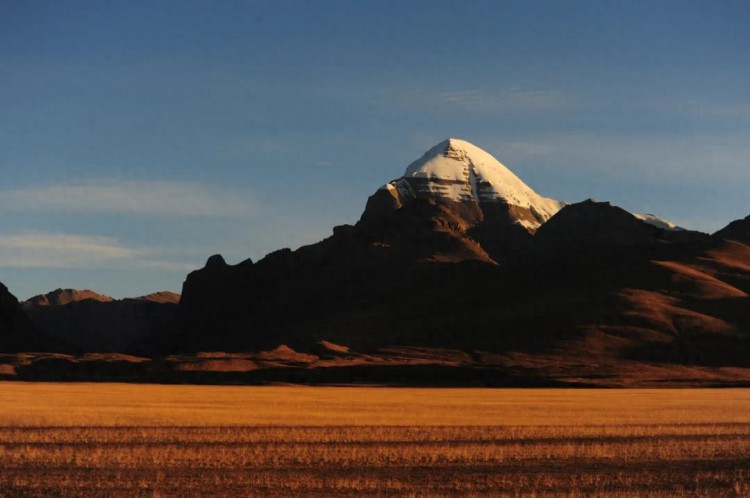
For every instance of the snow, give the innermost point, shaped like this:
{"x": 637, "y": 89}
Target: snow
{"x": 529, "y": 225}
{"x": 458, "y": 170}
{"x": 654, "y": 220}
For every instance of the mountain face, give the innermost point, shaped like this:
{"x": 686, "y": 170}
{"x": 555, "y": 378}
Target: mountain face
{"x": 471, "y": 193}
{"x": 457, "y": 172}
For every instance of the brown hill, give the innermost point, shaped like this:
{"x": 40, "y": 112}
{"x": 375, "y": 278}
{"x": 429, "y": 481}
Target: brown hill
{"x": 61, "y": 297}
{"x": 163, "y": 297}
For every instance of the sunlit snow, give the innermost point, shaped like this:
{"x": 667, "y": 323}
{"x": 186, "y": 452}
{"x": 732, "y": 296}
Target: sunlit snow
{"x": 458, "y": 170}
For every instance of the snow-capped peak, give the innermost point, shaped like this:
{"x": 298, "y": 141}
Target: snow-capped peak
{"x": 459, "y": 171}
{"x": 658, "y": 222}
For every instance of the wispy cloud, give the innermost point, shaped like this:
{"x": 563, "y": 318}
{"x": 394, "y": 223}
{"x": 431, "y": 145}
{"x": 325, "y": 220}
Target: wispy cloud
{"x": 154, "y": 198}
{"x": 506, "y": 99}
{"x": 527, "y": 149}
{"x": 476, "y": 100}
{"x": 58, "y": 250}
{"x": 647, "y": 157}
{"x": 252, "y": 146}
{"x": 713, "y": 108}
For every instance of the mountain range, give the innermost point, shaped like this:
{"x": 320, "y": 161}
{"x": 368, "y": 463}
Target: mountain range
{"x": 457, "y": 273}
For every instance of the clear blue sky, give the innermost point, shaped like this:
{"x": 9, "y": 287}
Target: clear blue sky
{"x": 138, "y": 138}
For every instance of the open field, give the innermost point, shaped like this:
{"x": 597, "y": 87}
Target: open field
{"x": 154, "y": 440}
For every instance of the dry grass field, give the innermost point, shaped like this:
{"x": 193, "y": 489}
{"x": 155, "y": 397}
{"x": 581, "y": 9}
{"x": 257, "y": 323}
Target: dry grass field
{"x": 153, "y": 440}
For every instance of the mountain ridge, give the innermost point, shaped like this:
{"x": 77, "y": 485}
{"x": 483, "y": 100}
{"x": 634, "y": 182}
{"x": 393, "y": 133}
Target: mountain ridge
{"x": 61, "y": 297}
{"x": 451, "y": 275}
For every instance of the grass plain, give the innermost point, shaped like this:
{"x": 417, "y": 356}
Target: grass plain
{"x": 157, "y": 440}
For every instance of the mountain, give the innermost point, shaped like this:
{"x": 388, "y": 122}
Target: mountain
{"x": 163, "y": 297}
{"x": 455, "y": 204}
{"x": 458, "y": 172}
{"x": 467, "y": 193}
{"x": 60, "y": 297}
{"x": 457, "y": 273}
{"x": 84, "y": 321}
{"x": 599, "y": 233}
{"x": 460, "y": 254}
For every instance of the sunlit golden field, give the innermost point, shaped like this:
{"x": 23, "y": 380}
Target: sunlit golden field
{"x": 152, "y": 440}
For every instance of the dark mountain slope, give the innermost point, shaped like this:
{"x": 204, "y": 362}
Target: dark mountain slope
{"x": 89, "y": 322}
{"x": 16, "y": 330}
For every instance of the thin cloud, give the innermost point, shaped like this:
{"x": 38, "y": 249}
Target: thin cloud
{"x": 506, "y": 99}
{"x": 527, "y": 149}
{"x": 696, "y": 108}
{"x": 647, "y": 157}
{"x": 475, "y": 100}
{"x": 143, "y": 198}
{"x": 58, "y": 250}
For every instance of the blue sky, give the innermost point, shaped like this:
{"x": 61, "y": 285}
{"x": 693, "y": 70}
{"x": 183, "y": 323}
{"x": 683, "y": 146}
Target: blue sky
{"x": 138, "y": 138}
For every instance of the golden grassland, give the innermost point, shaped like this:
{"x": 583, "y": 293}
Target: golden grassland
{"x": 153, "y": 440}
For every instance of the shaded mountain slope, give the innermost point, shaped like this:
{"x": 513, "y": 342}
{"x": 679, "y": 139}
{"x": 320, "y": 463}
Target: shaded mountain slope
{"x": 17, "y": 332}
{"x": 593, "y": 273}
{"x": 738, "y": 230}
{"x": 89, "y": 322}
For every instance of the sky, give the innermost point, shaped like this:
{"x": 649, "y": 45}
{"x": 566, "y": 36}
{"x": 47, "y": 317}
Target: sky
{"x": 138, "y": 138}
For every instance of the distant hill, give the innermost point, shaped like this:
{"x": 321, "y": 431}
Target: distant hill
{"x": 162, "y": 297}
{"x": 89, "y": 322}
{"x": 60, "y": 297}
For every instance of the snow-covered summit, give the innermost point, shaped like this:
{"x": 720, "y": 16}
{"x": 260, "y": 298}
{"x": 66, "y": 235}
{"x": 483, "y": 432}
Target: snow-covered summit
{"x": 658, "y": 222}
{"x": 457, "y": 170}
